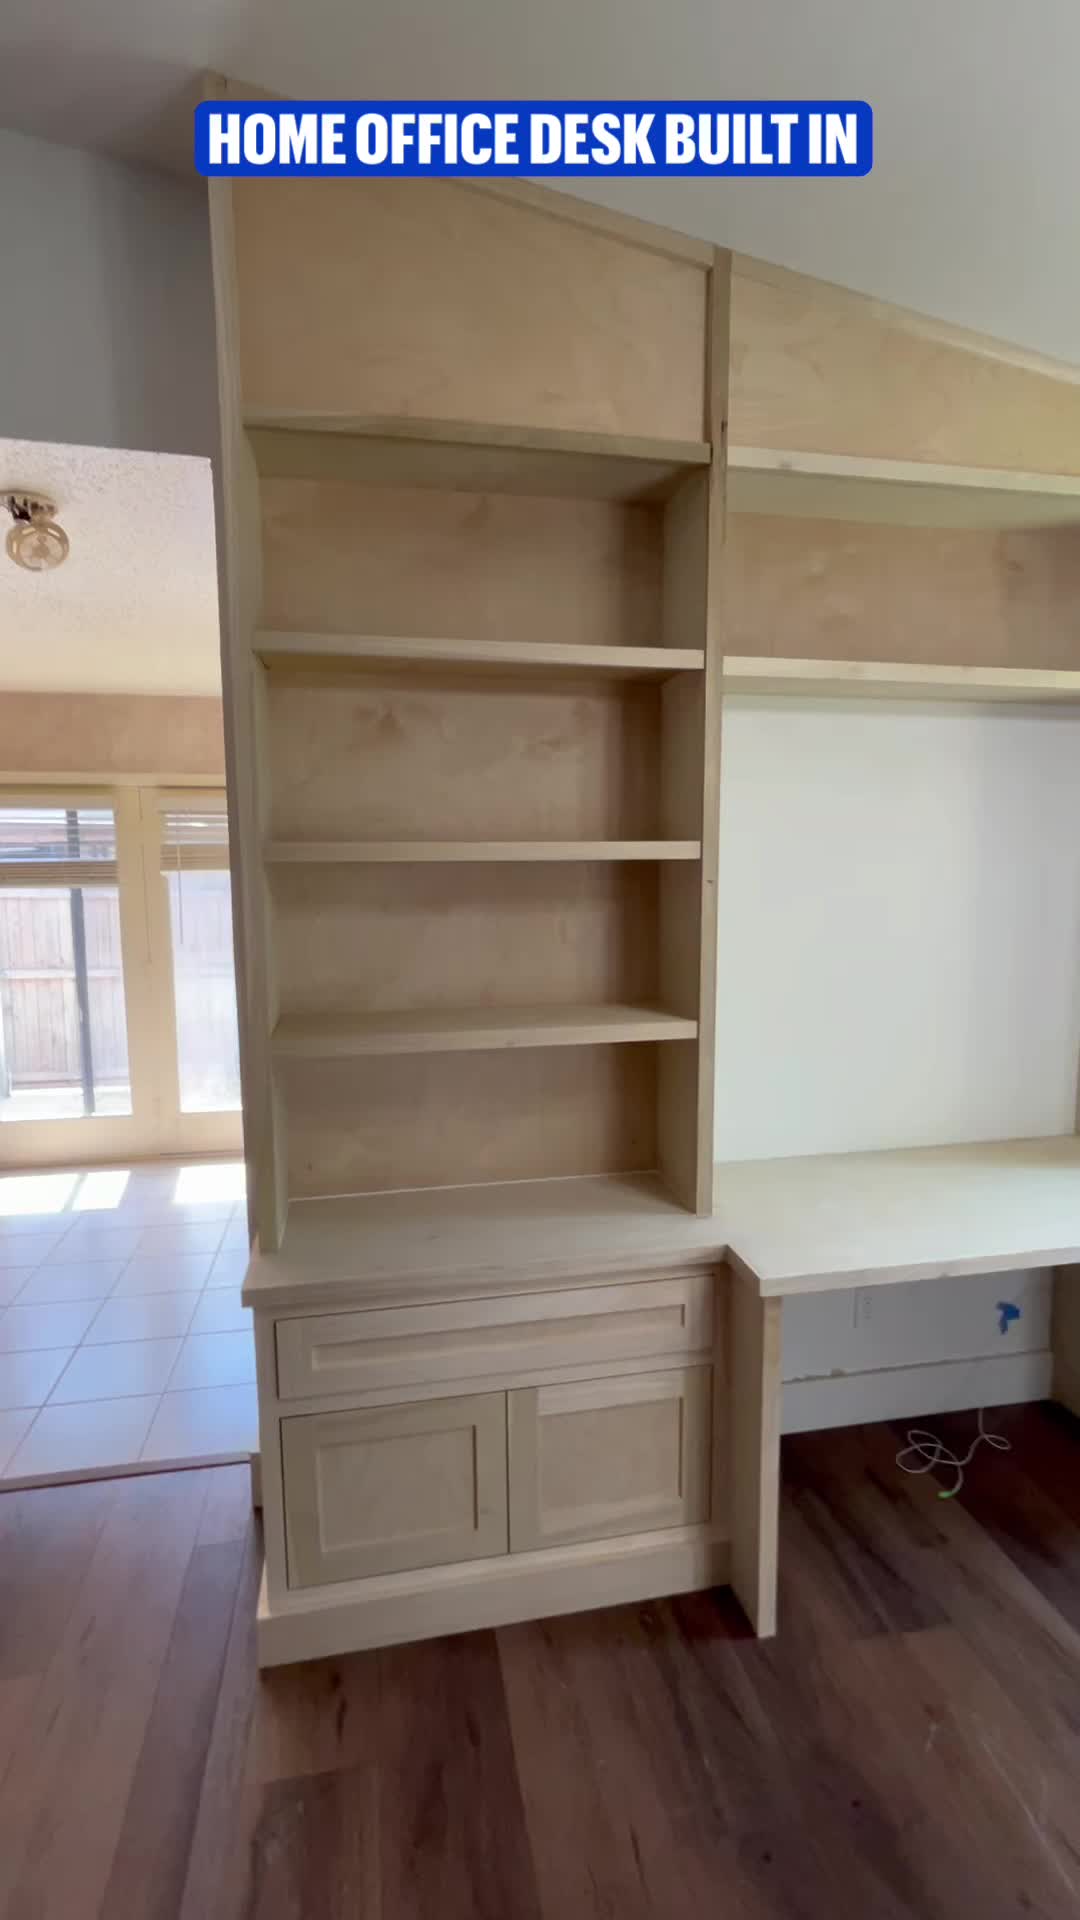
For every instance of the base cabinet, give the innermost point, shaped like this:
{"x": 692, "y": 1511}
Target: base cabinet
{"x": 384, "y": 1489}
{"x": 599, "y": 1457}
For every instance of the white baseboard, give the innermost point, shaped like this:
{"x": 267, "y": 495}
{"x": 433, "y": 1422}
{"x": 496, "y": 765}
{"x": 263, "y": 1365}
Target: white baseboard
{"x": 900, "y": 1393}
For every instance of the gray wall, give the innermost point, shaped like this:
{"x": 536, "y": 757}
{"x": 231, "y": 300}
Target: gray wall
{"x": 107, "y": 316}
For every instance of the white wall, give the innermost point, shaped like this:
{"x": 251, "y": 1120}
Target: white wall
{"x": 108, "y": 335}
{"x": 899, "y": 966}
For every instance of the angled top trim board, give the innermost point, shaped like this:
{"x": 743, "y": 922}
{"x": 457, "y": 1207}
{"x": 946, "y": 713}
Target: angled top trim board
{"x": 908, "y": 493}
{"x": 793, "y": 1226}
{"x": 897, "y": 680}
{"x": 468, "y": 456}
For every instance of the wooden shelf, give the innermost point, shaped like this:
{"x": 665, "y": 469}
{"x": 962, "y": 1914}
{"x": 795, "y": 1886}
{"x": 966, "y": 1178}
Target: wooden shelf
{"x": 887, "y": 680}
{"x": 365, "y": 653}
{"x": 440, "y": 852}
{"x": 387, "y": 1247}
{"x": 907, "y": 493}
{"x": 875, "y": 1219}
{"x": 320, "y": 1036}
{"x": 471, "y": 458}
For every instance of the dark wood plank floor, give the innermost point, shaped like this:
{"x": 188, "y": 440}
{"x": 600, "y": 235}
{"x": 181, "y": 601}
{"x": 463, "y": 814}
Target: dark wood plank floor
{"x": 908, "y": 1746}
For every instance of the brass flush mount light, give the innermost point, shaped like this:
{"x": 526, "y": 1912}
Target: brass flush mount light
{"x": 35, "y": 541}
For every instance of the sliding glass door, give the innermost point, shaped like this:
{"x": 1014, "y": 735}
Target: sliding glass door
{"x": 118, "y": 1030}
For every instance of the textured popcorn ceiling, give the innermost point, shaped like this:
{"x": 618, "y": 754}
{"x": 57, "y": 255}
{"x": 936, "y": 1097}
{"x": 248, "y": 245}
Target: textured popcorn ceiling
{"x": 134, "y": 607}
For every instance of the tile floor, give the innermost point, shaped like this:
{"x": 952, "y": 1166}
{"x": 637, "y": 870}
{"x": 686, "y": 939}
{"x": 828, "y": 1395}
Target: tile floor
{"x": 123, "y": 1344}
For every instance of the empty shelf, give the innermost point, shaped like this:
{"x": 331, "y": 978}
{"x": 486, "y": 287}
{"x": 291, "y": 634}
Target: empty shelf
{"x": 471, "y": 1029}
{"x": 889, "y": 680}
{"x": 906, "y": 493}
{"x": 422, "y": 852}
{"x": 359, "y": 653}
{"x": 470, "y": 457}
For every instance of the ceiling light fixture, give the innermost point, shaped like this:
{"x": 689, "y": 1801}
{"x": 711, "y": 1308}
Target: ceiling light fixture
{"x": 36, "y": 541}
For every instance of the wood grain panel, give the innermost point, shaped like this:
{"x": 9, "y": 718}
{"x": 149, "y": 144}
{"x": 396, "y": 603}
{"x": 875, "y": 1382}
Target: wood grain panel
{"x": 815, "y": 367}
{"x": 433, "y": 1120}
{"x": 412, "y": 757}
{"x": 381, "y": 938}
{"x": 426, "y": 298}
{"x": 818, "y": 589}
{"x": 340, "y": 558}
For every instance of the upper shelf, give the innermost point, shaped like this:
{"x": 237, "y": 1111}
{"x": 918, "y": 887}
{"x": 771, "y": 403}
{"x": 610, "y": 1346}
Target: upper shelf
{"x": 904, "y": 493}
{"x": 340, "y": 1036}
{"x": 364, "y": 653}
{"x": 888, "y": 680}
{"x": 428, "y": 852}
{"x": 470, "y": 458}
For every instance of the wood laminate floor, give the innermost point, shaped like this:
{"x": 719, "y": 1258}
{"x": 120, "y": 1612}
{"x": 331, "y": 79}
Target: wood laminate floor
{"x": 908, "y": 1746}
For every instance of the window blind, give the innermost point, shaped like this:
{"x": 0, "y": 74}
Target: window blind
{"x": 194, "y": 839}
{"x": 57, "y": 846}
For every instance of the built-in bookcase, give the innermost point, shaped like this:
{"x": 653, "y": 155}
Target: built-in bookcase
{"x": 476, "y": 657}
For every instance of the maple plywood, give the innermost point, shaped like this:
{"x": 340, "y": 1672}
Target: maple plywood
{"x": 383, "y": 938}
{"x": 429, "y": 1121}
{"x": 826, "y": 590}
{"x": 423, "y": 297}
{"x": 817, "y": 368}
{"x": 344, "y": 558}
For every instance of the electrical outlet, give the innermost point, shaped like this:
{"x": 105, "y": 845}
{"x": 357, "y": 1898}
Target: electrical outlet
{"x": 863, "y": 1308}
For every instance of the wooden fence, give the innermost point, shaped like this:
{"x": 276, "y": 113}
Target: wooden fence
{"x": 39, "y": 1011}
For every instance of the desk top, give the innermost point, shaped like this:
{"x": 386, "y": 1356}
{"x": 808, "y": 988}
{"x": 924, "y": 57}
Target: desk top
{"x": 792, "y": 1226}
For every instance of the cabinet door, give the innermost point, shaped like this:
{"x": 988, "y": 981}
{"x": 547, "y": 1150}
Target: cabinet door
{"x": 609, "y": 1456}
{"x": 382, "y": 1489}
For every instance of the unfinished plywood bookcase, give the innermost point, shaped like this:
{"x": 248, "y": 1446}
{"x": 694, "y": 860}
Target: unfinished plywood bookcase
{"x": 474, "y": 481}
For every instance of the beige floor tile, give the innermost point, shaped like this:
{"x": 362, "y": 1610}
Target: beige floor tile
{"x": 229, "y": 1268}
{"x": 93, "y": 1241}
{"x": 12, "y": 1282}
{"x": 214, "y": 1420}
{"x": 45, "y": 1324}
{"x": 220, "y": 1311}
{"x": 214, "y": 1360}
{"x": 26, "y": 1249}
{"x": 109, "y": 1373}
{"x": 27, "y": 1379}
{"x": 171, "y": 1273}
{"x": 83, "y": 1280}
{"x": 147, "y": 1316}
{"x": 14, "y": 1423}
{"x": 182, "y": 1237}
{"x": 87, "y": 1437}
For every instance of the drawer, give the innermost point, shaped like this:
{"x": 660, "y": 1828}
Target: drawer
{"x": 597, "y": 1457}
{"x": 380, "y": 1490}
{"x": 415, "y": 1346}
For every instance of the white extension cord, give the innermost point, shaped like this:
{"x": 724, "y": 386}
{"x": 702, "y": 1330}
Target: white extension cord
{"x": 930, "y": 1452}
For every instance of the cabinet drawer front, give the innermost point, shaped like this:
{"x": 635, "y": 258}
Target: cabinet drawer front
{"x": 609, "y": 1456}
{"x": 388, "y": 1488}
{"x": 414, "y": 1346}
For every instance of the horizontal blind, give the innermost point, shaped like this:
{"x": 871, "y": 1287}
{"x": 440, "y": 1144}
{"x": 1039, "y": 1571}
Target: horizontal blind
{"x": 194, "y": 839}
{"x": 57, "y": 846}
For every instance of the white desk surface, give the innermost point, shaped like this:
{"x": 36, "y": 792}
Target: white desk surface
{"x": 876, "y": 1219}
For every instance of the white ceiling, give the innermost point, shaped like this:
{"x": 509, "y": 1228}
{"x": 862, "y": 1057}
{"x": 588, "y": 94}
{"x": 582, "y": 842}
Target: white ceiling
{"x": 970, "y": 214}
{"x": 133, "y": 609}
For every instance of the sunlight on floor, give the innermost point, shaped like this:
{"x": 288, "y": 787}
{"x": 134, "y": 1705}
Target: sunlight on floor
{"x": 36, "y": 1192}
{"x": 98, "y": 1191}
{"x": 221, "y": 1180}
